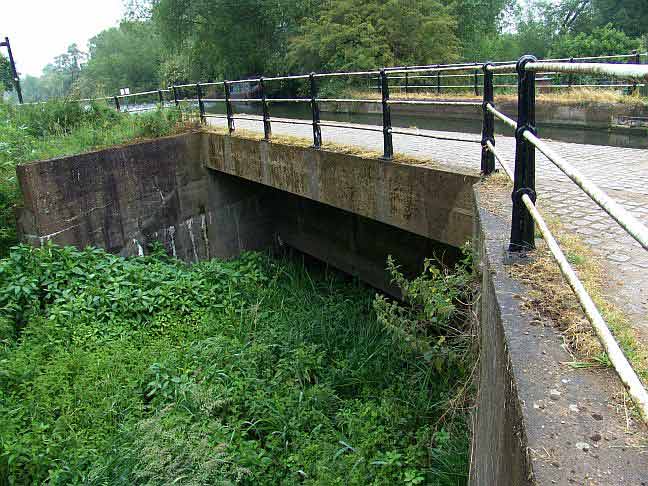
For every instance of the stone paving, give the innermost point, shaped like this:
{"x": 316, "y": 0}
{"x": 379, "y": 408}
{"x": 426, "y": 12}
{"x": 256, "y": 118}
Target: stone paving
{"x": 621, "y": 172}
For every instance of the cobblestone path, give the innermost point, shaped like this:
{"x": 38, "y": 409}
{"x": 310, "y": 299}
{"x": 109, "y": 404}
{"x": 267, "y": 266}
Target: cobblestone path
{"x": 621, "y": 172}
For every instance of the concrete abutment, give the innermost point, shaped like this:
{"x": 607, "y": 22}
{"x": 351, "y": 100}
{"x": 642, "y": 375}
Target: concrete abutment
{"x": 206, "y": 195}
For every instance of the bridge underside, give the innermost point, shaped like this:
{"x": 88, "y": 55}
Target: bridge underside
{"x": 205, "y": 195}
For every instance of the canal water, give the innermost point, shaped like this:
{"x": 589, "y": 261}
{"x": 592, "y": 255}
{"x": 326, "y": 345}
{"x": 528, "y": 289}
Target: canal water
{"x": 573, "y": 135}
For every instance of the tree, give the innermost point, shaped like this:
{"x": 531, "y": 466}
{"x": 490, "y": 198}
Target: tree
{"x": 601, "y": 41}
{"x": 124, "y": 56}
{"x": 355, "y": 34}
{"x": 226, "y": 38}
{"x": 629, "y": 16}
{"x": 6, "y": 76}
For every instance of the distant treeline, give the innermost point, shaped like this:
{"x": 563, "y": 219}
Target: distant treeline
{"x": 161, "y": 42}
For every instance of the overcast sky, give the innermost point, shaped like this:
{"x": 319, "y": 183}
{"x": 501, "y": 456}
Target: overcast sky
{"x": 40, "y": 30}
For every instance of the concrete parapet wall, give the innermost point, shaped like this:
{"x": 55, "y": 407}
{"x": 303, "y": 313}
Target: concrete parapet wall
{"x": 427, "y": 200}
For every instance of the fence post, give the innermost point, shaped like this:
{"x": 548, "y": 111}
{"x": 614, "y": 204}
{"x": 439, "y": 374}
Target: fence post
{"x": 438, "y": 82}
{"x": 488, "y": 123}
{"x": 267, "y": 129}
{"x": 386, "y": 112}
{"x": 317, "y": 130}
{"x": 228, "y": 106}
{"x": 161, "y": 98}
{"x": 570, "y": 79}
{"x": 476, "y": 83}
{"x": 175, "y": 96}
{"x": 201, "y": 105}
{"x": 117, "y": 103}
{"x": 522, "y": 225}
{"x": 406, "y": 83}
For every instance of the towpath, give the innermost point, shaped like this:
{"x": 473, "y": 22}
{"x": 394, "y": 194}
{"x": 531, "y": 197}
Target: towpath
{"x": 621, "y": 172}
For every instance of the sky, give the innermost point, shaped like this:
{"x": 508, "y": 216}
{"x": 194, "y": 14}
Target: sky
{"x": 40, "y": 30}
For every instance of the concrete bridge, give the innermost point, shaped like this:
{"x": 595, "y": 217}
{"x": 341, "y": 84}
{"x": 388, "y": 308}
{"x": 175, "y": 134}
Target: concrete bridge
{"x": 206, "y": 194}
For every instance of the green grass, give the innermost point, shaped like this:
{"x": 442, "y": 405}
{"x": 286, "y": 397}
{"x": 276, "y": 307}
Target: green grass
{"x": 252, "y": 371}
{"x": 53, "y": 129}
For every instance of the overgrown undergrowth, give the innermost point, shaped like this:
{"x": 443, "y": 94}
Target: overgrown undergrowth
{"x": 43, "y": 131}
{"x": 252, "y": 371}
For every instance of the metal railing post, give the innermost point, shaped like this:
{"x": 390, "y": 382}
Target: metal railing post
{"x": 317, "y": 130}
{"x": 175, "y": 96}
{"x": 570, "y": 79}
{"x": 386, "y": 112}
{"x": 635, "y": 60}
{"x": 161, "y": 98}
{"x": 522, "y": 225}
{"x": 14, "y": 72}
{"x": 488, "y": 124}
{"x": 438, "y": 82}
{"x": 228, "y": 106}
{"x": 476, "y": 83}
{"x": 201, "y": 105}
{"x": 406, "y": 83}
{"x": 267, "y": 129}
{"x": 117, "y": 107}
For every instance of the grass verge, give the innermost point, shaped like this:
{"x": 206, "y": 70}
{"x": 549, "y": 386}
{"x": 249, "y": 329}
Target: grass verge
{"x": 567, "y": 97}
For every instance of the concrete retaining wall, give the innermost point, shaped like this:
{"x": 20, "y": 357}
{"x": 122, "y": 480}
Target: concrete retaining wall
{"x": 524, "y": 434}
{"x": 601, "y": 116}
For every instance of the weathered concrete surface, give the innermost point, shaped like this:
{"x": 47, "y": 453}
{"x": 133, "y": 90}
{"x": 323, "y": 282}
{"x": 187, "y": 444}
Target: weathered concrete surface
{"x": 522, "y": 435}
{"x": 124, "y": 198}
{"x": 429, "y": 201}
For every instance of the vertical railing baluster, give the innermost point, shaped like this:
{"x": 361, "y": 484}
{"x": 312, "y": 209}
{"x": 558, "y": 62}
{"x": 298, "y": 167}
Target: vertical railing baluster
{"x": 161, "y": 98}
{"x": 117, "y": 107}
{"x": 522, "y": 225}
{"x": 476, "y": 83}
{"x": 406, "y": 83}
{"x": 201, "y": 105}
{"x": 317, "y": 130}
{"x": 438, "y": 80}
{"x": 488, "y": 123}
{"x": 388, "y": 145}
{"x": 228, "y": 106}
{"x": 636, "y": 60}
{"x": 267, "y": 129}
{"x": 175, "y": 96}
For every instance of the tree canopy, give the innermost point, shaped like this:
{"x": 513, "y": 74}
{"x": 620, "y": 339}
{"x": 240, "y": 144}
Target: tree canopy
{"x": 161, "y": 42}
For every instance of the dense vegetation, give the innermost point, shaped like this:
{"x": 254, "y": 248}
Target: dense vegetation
{"x": 253, "y": 371}
{"x": 161, "y": 42}
{"x": 37, "y": 132}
